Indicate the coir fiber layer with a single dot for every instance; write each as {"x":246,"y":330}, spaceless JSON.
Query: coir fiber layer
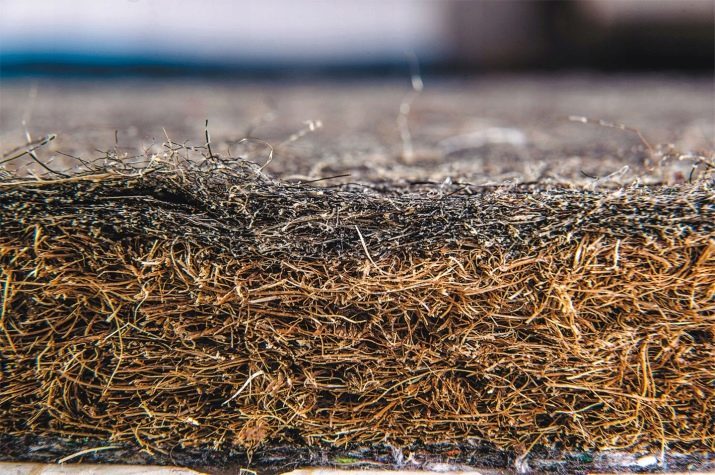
{"x":205,"y":304}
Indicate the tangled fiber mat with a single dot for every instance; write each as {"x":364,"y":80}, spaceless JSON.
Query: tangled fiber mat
{"x":202,"y":303}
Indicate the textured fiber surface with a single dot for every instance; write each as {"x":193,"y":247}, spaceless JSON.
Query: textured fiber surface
{"x":204,"y":303}
{"x":506,"y":285}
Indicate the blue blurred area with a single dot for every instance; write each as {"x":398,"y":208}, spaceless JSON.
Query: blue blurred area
{"x":70,"y":64}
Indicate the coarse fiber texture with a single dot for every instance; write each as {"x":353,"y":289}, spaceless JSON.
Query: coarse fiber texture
{"x":206,"y":304}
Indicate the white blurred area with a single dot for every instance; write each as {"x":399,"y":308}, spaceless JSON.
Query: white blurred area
{"x":264,"y":31}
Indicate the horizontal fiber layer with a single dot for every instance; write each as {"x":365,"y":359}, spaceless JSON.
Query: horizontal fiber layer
{"x":218,"y":307}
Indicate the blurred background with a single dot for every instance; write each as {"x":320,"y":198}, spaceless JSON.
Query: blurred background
{"x":328,"y":84}
{"x":292,"y":37}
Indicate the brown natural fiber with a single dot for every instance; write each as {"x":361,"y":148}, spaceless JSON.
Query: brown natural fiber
{"x":203,"y":303}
